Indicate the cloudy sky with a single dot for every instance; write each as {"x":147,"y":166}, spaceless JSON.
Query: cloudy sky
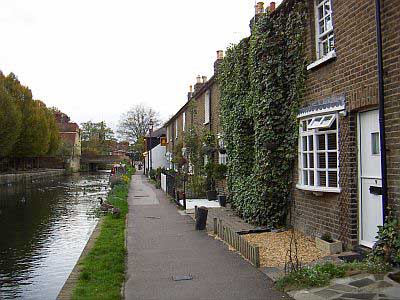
{"x":94,"y":59}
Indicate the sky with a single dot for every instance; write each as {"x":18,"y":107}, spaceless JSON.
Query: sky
{"x":95,"y":59}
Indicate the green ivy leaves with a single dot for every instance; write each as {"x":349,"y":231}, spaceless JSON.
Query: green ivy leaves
{"x":262,"y":82}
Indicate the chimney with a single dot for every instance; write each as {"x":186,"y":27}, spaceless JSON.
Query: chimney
{"x":259,"y":8}
{"x":271,"y":7}
{"x":198,"y":84}
{"x":204,"y":79}
{"x":220,"y":57}
{"x":190,"y":93}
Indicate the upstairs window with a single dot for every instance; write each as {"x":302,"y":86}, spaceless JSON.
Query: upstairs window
{"x":324,"y":28}
{"x":207,"y":107}
{"x":176,"y":128}
{"x":318,"y":154}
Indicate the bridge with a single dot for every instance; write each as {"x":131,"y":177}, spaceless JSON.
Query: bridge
{"x":93,"y":161}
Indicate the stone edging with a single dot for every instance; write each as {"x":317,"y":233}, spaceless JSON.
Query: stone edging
{"x":69,"y":285}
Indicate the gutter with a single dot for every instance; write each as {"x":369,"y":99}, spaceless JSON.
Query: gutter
{"x":381,"y":97}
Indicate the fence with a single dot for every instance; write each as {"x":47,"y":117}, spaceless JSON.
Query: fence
{"x":164,"y":182}
{"x":250,"y":252}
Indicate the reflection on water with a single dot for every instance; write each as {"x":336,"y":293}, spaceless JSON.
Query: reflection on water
{"x":44,"y":227}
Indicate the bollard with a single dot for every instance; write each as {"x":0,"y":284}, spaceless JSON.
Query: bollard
{"x":201,"y":217}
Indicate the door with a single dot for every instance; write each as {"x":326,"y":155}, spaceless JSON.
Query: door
{"x":370,"y":180}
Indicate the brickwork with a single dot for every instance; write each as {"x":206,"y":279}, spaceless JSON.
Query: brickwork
{"x":353,"y":74}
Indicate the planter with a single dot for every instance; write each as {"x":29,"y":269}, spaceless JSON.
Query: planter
{"x":211,"y":195}
{"x":329,"y":248}
{"x":222,"y":200}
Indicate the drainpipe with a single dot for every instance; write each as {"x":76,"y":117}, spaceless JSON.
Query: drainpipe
{"x":381,"y":109}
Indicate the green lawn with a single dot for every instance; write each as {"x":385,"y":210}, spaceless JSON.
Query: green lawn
{"x":103,"y":269}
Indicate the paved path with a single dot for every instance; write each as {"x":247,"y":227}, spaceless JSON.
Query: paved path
{"x":162,"y":244}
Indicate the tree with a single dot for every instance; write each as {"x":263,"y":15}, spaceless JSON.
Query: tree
{"x":97,"y":138}
{"x":10,"y":121}
{"x":135,"y":124}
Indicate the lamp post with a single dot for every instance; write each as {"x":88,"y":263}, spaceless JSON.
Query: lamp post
{"x":151,"y":124}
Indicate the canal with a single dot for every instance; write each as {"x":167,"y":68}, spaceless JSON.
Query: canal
{"x":44,"y":227}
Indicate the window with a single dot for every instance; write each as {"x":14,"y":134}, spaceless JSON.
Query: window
{"x":183,"y":121}
{"x":176,"y":128}
{"x":324,"y":28}
{"x":222,"y":151}
{"x":375,"y":147}
{"x":318,"y":154}
{"x":168,"y":135}
{"x":207,"y":107}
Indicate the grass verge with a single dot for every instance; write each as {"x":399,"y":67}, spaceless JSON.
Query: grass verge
{"x":320,"y":275}
{"x":103,"y":269}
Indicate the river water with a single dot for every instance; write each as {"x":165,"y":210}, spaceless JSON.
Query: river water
{"x":44,"y":227}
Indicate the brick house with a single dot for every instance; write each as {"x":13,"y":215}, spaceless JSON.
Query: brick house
{"x":338,"y":172}
{"x":70,"y":134}
{"x":200,"y":111}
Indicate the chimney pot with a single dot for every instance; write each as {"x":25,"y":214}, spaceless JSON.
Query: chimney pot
{"x":198,"y":79}
{"x":220,"y":54}
{"x":190,"y":88}
{"x":259,"y":7}
{"x":272,"y":6}
{"x":204,"y":79}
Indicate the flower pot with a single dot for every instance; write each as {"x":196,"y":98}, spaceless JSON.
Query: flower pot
{"x":222,"y":200}
{"x":211,"y":195}
{"x":329,"y":248}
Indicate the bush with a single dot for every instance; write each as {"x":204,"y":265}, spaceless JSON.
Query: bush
{"x":387,"y":246}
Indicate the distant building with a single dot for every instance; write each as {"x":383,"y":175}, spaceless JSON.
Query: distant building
{"x":154,"y":155}
{"x":70,"y":134}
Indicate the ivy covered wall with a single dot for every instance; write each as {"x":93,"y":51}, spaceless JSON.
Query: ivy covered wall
{"x":262,"y":82}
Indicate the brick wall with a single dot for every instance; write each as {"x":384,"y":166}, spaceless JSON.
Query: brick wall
{"x":391,"y":69}
{"x":352,"y":74}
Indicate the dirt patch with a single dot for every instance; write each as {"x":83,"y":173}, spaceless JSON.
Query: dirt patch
{"x":275,"y":245}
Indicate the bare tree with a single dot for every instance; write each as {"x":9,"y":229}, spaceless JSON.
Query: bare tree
{"x":135,"y":124}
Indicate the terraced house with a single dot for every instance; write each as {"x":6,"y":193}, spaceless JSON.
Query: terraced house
{"x":347,"y":172}
{"x":200,"y":112}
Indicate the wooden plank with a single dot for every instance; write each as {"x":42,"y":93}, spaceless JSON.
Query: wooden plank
{"x":257,"y":256}
{"x":215,"y":226}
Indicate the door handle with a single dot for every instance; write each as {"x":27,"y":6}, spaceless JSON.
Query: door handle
{"x":375,"y":190}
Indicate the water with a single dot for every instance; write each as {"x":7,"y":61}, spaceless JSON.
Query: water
{"x":44,"y":227}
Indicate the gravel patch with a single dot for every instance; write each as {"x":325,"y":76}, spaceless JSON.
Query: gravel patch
{"x":274,"y":247}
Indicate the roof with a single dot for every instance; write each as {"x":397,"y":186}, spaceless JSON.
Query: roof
{"x":197,"y":93}
{"x":158,"y":132}
{"x":68,"y":127}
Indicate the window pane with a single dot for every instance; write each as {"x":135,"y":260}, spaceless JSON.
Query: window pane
{"x":304,"y":160}
{"x":304,"y":125}
{"x":304,"y":143}
{"x":375,"y":143}
{"x":311,"y":178}
{"x":310,"y":143}
{"x":321,"y":178}
{"x":305,"y":177}
{"x":328,"y":23}
{"x":332,"y":145}
{"x":321,"y":27}
{"x":321,"y":142}
{"x":332,"y":179}
{"x":327,"y":8}
{"x":311,"y":160}
{"x":320,"y":12}
{"x":332,"y":160}
{"x":321,"y":160}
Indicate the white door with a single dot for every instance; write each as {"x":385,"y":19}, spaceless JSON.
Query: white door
{"x":370,"y":181}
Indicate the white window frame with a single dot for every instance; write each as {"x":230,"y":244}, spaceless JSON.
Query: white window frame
{"x":184,"y":121}
{"x":207,"y":107}
{"x":221,"y":157}
{"x":176,"y":128}
{"x":327,"y":34}
{"x":308,"y":158}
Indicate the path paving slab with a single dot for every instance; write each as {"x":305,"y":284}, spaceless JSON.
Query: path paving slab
{"x":166,"y":246}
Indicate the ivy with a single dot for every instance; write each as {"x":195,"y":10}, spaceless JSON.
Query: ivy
{"x":262,"y":82}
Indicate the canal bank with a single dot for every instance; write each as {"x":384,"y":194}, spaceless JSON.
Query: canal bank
{"x":45,"y":226}
{"x":12,"y":178}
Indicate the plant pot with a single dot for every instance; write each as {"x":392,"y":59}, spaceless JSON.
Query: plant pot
{"x":222,"y":200}
{"x":211,"y":195}
{"x":329,"y":248}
